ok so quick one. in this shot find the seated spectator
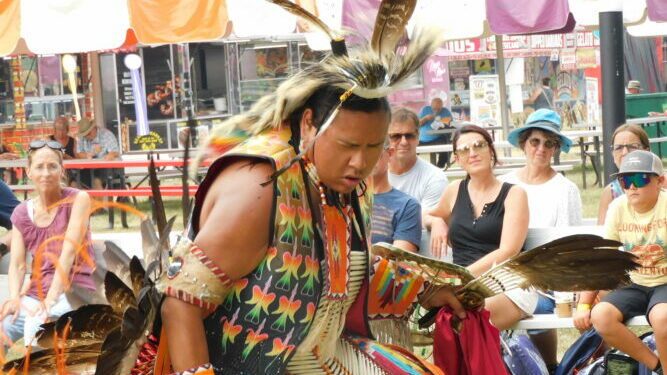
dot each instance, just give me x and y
(61, 134)
(435, 117)
(488, 221)
(8, 203)
(553, 200)
(634, 87)
(95, 143)
(415, 176)
(8, 174)
(637, 219)
(626, 139)
(396, 216)
(7, 154)
(56, 211)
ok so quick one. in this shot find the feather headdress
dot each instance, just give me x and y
(368, 71)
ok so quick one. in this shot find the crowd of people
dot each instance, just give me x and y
(476, 222)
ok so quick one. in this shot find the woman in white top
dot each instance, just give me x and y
(553, 200)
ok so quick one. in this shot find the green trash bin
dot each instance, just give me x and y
(639, 105)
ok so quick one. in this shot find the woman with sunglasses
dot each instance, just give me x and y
(475, 210)
(54, 228)
(626, 138)
(553, 200)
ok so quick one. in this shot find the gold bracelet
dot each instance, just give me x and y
(583, 307)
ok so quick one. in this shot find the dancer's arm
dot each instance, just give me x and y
(234, 222)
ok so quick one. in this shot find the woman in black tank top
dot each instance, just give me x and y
(487, 219)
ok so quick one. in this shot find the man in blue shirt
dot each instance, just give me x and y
(8, 202)
(396, 216)
(435, 117)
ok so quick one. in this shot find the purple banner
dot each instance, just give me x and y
(526, 16)
(657, 10)
(436, 79)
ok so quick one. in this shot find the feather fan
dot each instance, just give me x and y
(117, 262)
(78, 360)
(119, 295)
(572, 263)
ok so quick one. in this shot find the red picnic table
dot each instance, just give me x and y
(97, 163)
(131, 192)
(75, 164)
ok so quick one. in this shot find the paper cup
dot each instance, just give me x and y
(564, 309)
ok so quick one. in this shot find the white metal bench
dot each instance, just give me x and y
(551, 321)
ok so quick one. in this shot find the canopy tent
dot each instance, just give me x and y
(468, 19)
(69, 26)
(73, 26)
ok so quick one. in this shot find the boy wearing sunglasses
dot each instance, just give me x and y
(638, 219)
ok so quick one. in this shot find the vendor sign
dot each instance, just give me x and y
(485, 100)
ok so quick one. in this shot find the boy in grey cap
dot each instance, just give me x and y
(638, 219)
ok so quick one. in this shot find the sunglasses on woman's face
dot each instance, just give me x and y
(548, 143)
(38, 143)
(479, 146)
(638, 179)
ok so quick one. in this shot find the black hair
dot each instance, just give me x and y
(323, 102)
(546, 81)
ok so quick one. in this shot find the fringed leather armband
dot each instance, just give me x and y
(193, 278)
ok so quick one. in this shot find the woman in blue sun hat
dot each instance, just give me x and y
(553, 200)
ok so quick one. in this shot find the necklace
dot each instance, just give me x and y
(335, 232)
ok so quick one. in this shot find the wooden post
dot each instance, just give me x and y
(19, 103)
(86, 78)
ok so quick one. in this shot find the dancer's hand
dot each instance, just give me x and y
(445, 297)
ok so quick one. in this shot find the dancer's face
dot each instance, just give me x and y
(349, 149)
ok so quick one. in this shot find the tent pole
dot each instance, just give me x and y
(613, 82)
(500, 68)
